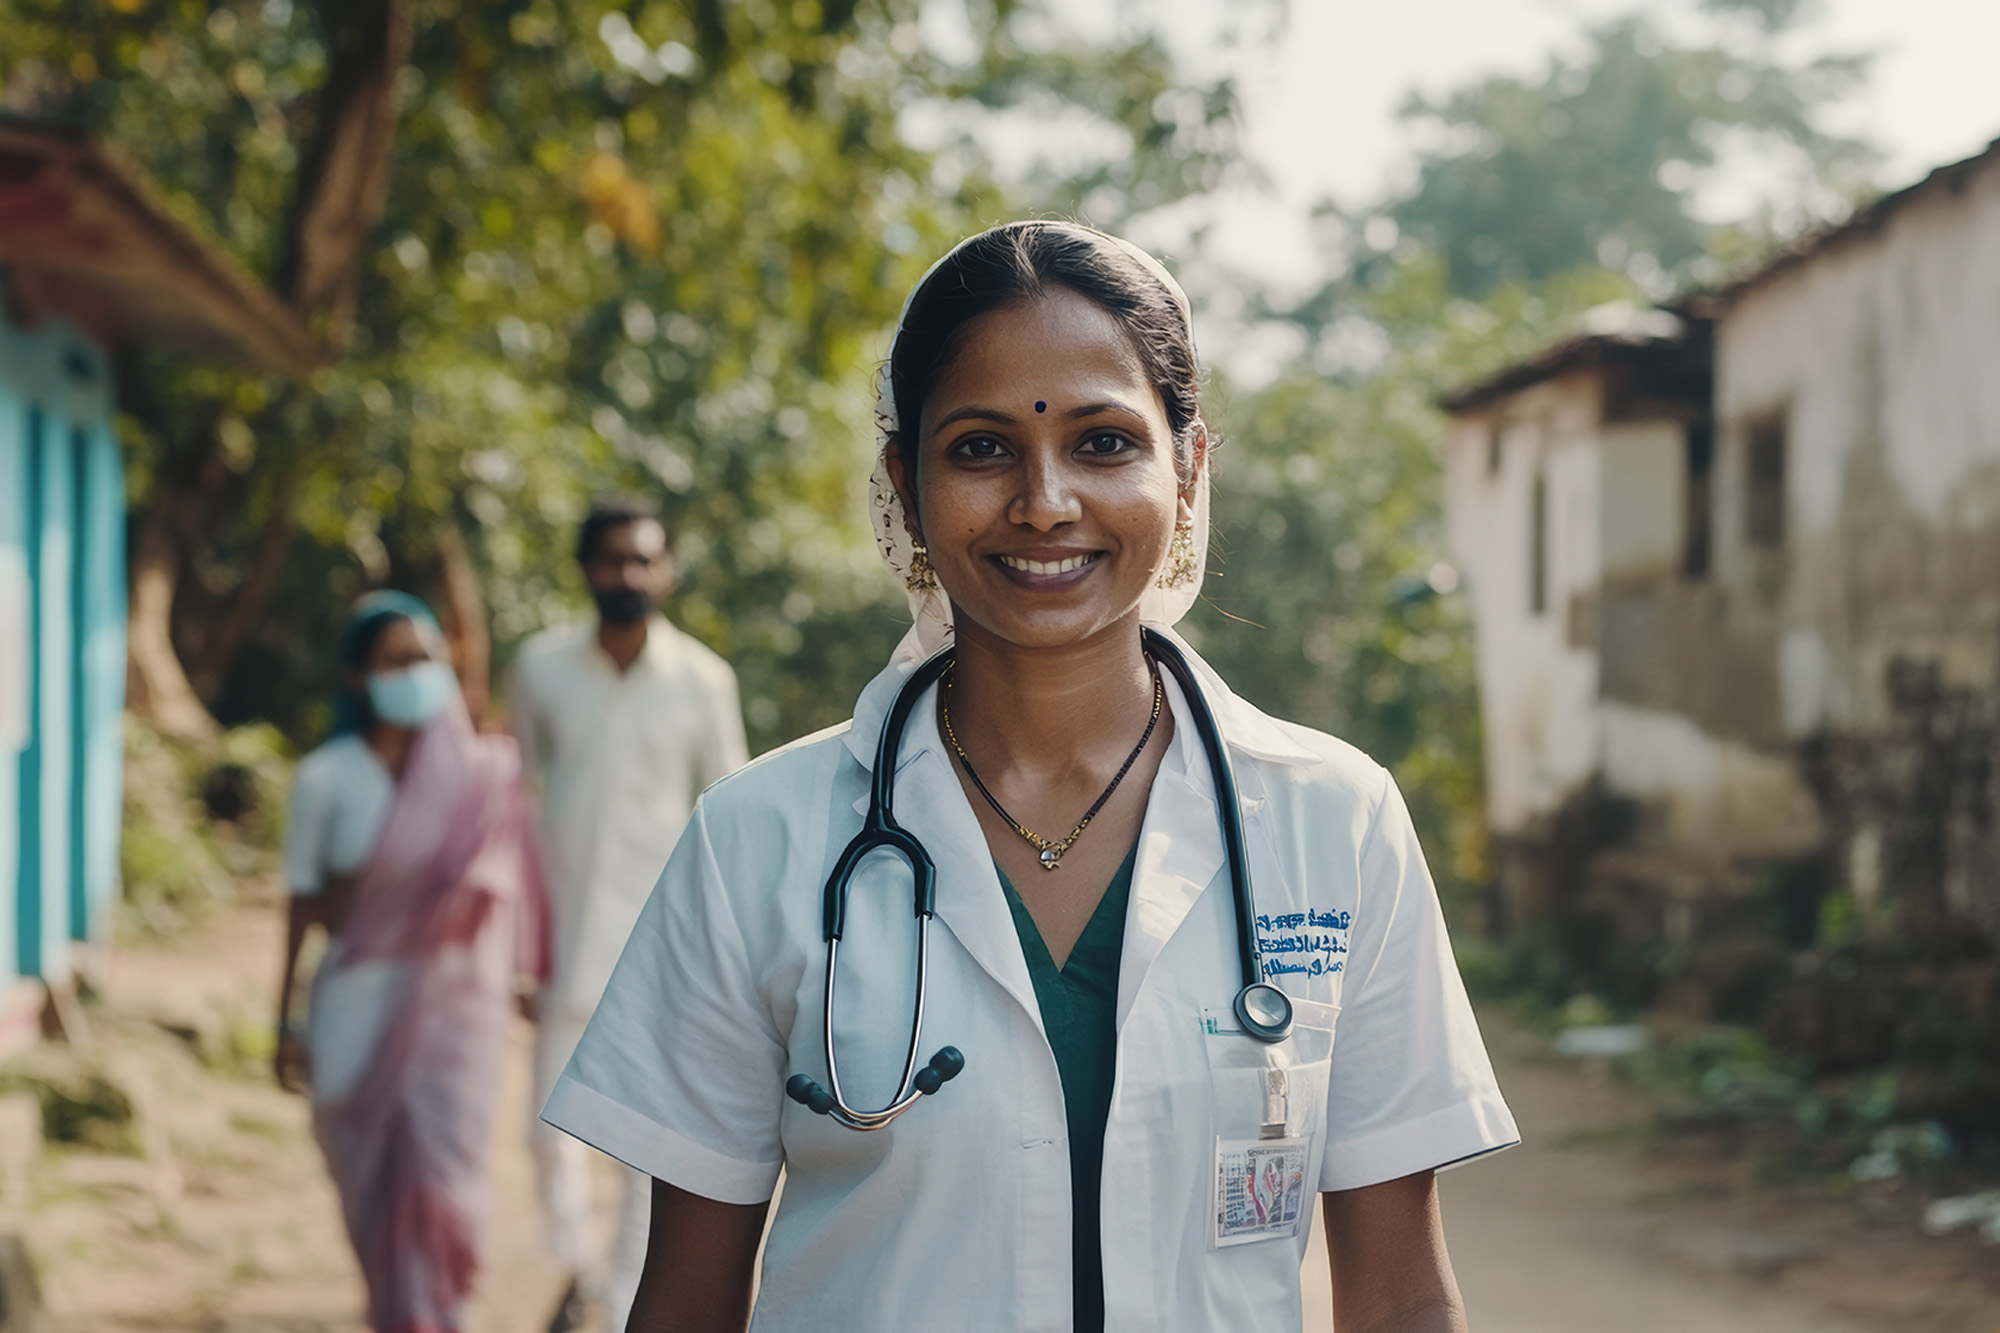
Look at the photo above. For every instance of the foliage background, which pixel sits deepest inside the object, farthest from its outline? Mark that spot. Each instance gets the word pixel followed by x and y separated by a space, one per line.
pixel 657 246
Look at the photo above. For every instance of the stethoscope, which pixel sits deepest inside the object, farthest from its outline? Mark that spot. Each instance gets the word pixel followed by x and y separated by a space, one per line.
pixel 1264 1011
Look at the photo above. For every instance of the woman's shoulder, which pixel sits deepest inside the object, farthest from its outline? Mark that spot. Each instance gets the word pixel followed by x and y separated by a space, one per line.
pixel 335 762
pixel 799 777
pixel 342 774
pixel 1320 772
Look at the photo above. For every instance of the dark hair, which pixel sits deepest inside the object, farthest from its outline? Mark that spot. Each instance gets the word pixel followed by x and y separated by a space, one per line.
pixel 1020 262
pixel 608 512
pixel 363 634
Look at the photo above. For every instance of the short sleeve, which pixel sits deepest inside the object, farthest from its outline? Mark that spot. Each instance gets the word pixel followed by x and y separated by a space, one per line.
pixel 1411 1087
pixel 308 831
pixel 681 1071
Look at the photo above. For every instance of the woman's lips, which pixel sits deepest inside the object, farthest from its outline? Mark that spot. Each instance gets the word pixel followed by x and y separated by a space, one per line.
pixel 1047 571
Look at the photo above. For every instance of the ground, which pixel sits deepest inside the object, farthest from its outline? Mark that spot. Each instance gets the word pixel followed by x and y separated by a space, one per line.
pixel 1593 1225
pixel 218 1217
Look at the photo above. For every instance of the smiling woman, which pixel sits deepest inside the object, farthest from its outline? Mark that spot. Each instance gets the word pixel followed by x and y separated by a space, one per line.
pixel 1120 1143
pixel 1045 529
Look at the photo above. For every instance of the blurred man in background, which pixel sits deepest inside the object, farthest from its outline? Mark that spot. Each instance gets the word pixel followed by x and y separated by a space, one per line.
pixel 622 720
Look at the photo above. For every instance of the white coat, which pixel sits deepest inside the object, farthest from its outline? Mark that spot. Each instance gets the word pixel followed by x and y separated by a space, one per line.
pixel 958 1216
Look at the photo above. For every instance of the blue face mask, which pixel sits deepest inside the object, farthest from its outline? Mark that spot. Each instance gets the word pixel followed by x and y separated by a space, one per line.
pixel 413 696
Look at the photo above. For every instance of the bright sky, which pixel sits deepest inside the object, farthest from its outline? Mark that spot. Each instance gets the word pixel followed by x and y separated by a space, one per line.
pixel 1320 109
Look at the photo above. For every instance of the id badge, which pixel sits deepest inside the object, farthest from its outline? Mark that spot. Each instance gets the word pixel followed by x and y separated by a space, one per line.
pixel 1260 1189
pixel 1260 1183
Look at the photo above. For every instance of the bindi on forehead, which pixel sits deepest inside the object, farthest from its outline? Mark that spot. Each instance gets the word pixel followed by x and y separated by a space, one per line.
pixel 1041 406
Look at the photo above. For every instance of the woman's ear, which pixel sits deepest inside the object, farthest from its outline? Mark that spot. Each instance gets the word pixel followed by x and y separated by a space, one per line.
pixel 1197 472
pixel 900 478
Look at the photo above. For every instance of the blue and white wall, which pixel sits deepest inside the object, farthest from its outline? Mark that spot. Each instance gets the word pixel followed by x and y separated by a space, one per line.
pixel 62 647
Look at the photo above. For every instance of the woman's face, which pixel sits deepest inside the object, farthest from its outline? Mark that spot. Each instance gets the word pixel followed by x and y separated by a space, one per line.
pixel 1045 490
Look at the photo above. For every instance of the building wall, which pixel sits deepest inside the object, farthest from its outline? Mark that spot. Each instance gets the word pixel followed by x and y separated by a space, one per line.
pixel 1723 696
pixel 1645 495
pixel 1827 691
pixel 1537 669
pixel 62 573
pixel 1641 676
pixel 1878 354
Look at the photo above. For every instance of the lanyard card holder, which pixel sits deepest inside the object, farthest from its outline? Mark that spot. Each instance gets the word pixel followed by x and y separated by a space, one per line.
pixel 1260 1183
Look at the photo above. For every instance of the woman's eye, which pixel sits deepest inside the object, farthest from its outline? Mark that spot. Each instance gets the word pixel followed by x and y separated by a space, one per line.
pixel 978 446
pixel 1106 444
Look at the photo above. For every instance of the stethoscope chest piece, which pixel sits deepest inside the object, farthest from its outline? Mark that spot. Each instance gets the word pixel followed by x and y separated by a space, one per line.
pixel 1264 1011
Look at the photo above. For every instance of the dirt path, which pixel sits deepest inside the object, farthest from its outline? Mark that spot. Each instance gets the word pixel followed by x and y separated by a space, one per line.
pixel 226 1223
pixel 1585 1229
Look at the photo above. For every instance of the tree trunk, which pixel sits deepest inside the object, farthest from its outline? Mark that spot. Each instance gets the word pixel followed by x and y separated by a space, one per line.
pixel 253 594
pixel 465 623
pixel 344 178
pixel 337 199
pixel 156 688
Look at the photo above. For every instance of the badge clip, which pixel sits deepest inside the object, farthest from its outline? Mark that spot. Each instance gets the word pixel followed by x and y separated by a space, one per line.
pixel 1277 1103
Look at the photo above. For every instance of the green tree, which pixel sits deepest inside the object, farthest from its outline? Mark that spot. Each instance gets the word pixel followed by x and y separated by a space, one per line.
pixel 644 246
pixel 1600 159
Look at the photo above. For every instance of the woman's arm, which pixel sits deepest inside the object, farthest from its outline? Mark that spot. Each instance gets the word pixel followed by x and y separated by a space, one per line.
pixel 700 1259
pixel 1391 1273
pixel 291 1062
pixel 328 908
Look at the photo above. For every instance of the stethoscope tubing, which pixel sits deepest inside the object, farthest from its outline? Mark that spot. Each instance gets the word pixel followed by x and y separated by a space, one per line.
pixel 906 1096
pixel 1229 808
pixel 1264 1011
pixel 881 832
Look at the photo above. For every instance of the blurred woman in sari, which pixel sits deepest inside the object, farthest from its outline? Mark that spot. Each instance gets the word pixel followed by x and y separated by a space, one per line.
pixel 409 841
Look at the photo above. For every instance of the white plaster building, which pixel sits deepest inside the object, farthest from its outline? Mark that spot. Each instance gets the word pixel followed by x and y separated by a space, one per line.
pixel 1735 574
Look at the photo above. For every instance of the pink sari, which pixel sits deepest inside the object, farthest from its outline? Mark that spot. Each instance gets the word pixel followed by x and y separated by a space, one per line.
pixel 453 899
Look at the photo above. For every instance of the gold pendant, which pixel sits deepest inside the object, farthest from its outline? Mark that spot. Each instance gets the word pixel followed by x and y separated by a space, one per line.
pixel 1051 859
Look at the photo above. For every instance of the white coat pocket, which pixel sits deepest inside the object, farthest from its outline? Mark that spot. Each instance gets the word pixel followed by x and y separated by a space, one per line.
pixel 1267 1105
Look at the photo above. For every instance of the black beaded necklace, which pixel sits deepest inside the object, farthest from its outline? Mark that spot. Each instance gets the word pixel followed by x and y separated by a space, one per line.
pixel 1051 851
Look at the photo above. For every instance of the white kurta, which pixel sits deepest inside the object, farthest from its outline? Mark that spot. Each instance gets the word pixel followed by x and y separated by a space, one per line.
pixel 958 1216
pixel 619 757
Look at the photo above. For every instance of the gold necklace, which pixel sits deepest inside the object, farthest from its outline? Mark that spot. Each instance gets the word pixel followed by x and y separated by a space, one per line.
pixel 1051 852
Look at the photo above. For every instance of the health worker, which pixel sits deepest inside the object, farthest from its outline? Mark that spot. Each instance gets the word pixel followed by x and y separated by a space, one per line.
pixel 1188 969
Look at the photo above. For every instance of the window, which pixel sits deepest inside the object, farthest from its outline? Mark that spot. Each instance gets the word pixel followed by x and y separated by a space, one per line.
pixel 1764 492
pixel 1695 520
pixel 1538 547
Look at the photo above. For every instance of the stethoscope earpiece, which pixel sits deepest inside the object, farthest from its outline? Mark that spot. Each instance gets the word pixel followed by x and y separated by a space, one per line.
pixel 943 1068
pixel 809 1094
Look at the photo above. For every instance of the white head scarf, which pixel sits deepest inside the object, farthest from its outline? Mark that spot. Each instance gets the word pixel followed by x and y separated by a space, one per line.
pixel 929 607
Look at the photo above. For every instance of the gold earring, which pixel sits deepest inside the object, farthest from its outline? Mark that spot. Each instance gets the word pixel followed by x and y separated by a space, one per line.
pixel 921 578
pixel 1179 571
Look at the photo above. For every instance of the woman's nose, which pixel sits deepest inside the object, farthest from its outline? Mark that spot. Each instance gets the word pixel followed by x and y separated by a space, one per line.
pixel 1047 498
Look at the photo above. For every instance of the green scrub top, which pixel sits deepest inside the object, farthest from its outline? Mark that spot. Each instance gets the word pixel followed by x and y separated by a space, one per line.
pixel 1079 1003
